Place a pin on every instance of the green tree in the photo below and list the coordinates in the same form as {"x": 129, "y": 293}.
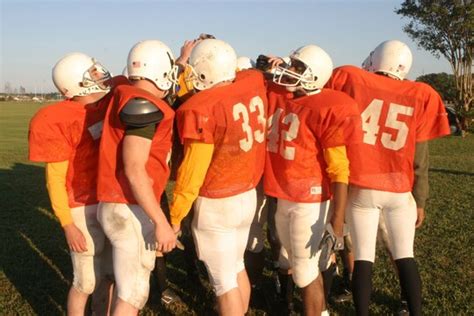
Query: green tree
{"x": 445, "y": 28}
{"x": 443, "y": 83}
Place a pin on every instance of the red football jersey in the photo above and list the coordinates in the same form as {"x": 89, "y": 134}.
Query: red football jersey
{"x": 395, "y": 116}
{"x": 113, "y": 185}
{"x": 299, "y": 129}
{"x": 71, "y": 131}
{"x": 233, "y": 118}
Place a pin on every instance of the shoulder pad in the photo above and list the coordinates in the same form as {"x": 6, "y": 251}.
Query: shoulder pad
{"x": 140, "y": 112}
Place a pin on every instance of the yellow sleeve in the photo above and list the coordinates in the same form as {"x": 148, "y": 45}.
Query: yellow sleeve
{"x": 185, "y": 86}
{"x": 338, "y": 164}
{"x": 56, "y": 183}
{"x": 191, "y": 175}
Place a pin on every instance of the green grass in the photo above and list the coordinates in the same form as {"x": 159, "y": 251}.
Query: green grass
{"x": 35, "y": 271}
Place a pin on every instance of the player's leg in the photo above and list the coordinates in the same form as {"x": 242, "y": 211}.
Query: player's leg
{"x": 102, "y": 298}
{"x": 347, "y": 255}
{"x": 382, "y": 236}
{"x": 282, "y": 235}
{"x": 214, "y": 230}
{"x": 131, "y": 234}
{"x": 85, "y": 271}
{"x": 307, "y": 226}
{"x": 362, "y": 215}
{"x": 400, "y": 221}
{"x": 254, "y": 252}
{"x": 248, "y": 208}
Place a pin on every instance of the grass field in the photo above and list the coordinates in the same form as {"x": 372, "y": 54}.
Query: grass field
{"x": 36, "y": 271}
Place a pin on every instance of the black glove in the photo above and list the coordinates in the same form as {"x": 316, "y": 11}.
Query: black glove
{"x": 262, "y": 63}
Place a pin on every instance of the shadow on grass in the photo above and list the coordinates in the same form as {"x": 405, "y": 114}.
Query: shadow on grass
{"x": 455, "y": 172}
{"x": 33, "y": 255}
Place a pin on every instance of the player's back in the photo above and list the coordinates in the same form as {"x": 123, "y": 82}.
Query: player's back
{"x": 396, "y": 114}
{"x": 233, "y": 118}
{"x": 113, "y": 185}
{"x": 299, "y": 131}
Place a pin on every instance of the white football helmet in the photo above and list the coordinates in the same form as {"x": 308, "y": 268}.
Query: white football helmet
{"x": 390, "y": 57}
{"x": 153, "y": 60}
{"x": 78, "y": 74}
{"x": 244, "y": 62}
{"x": 317, "y": 69}
{"x": 212, "y": 61}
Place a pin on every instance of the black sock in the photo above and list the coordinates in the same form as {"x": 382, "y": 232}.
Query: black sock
{"x": 160, "y": 273}
{"x": 410, "y": 283}
{"x": 254, "y": 263}
{"x": 362, "y": 286}
{"x": 328, "y": 277}
{"x": 287, "y": 287}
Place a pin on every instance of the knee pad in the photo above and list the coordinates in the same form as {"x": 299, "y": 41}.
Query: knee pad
{"x": 84, "y": 282}
{"x": 223, "y": 283}
{"x": 136, "y": 294}
{"x": 305, "y": 270}
{"x": 85, "y": 272}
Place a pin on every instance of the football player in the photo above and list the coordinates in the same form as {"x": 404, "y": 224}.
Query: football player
{"x": 399, "y": 117}
{"x": 133, "y": 171}
{"x": 306, "y": 165}
{"x": 222, "y": 127}
{"x": 66, "y": 136}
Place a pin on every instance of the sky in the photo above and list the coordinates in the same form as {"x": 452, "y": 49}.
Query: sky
{"x": 36, "y": 34}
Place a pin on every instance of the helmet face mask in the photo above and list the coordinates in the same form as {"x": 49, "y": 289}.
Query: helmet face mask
{"x": 77, "y": 74}
{"x": 295, "y": 74}
{"x": 309, "y": 69}
{"x": 96, "y": 75}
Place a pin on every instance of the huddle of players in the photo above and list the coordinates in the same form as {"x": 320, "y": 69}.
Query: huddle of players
{"x": 310, "y": 131}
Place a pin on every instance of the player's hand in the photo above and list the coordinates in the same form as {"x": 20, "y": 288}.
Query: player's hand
{"x": 75, "y": 238}
{"x": 165, "y": 238}
{"x": 186, "y": 50}
{"x": 420, "y": 217}
{"x": 275, "y": 61}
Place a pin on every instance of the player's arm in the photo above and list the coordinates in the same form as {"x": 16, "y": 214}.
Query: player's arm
{"x": 420, "y": 189}
{"x": 338, "y": 171}
{"x": 141, "y": 118}
{"x": 191, "y": 175}
{"x": 56, "y": 173}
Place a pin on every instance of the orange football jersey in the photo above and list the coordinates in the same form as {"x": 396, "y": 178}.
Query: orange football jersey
{"x": 68, "y": 130}
{"x": 71, "y": 131}
{"x": 113, "y": 185}
{"x": 395, "y": 116}
{"x": 233, "y": 118}
{"x": 299, "y": 129}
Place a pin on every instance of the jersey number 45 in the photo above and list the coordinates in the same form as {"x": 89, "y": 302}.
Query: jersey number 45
{"x": 371, "y": 119}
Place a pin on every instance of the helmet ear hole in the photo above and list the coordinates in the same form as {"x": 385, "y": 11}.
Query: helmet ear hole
{"x": 202, "y": 77}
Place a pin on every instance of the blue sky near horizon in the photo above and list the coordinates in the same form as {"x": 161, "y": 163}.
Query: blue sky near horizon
{"x": 35, "y": 34}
